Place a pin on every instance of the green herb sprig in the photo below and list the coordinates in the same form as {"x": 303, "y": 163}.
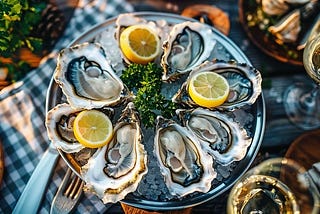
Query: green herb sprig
{"x": 17, "y": 21}
{"x": 145, "y": 82}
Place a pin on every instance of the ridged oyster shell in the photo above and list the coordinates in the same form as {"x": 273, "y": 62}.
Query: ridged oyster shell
{"x": 279, "y": 7}
{"x": 244, "y": 83}
{"x": 188, "y": 45}
{"x": 220, "y": 135}
{"x": 185, "y": 166}
{"x": 289, "y": 28}
{"x": 86, "y": 78}
{"x": 59, "y": 124}
{"x": 126, "y": 20}
{"x": 117, "y": 168}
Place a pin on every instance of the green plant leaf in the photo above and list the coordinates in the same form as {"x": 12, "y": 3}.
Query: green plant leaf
{"x": 17, "y": 19}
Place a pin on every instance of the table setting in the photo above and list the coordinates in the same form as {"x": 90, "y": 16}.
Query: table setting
{"x": 256, "y": 129}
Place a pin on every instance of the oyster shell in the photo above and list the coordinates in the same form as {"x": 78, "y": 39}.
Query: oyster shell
{"x": 185, "y": 166}
{"x": 280, "y": 7}
{"x": 187, "y": 46}
{"x": 117, "y": 168}
{"x": 289, "y": 28}
{"x": 59, "y": 123}
{"x": 126, "y": 20}
{"x": 244, "y": 83}
{"x": 274, "y": 7}
{"x": 86, "y": 78}
{"x": 220, "y": 135}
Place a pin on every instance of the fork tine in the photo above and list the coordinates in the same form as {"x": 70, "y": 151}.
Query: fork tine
{"x": 79, "y": 189}
{"x": 71, "y": 186}
{"x": 64, "y": 182}
{"x": 76, "y": 184}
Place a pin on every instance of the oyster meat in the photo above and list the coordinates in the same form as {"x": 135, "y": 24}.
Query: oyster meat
{"x": 220, "y": 135}
{"x": 244, "y": 83}
{"x": 117, "y": 168}
{"x": 186, "y": 168}
{"x": 86, "y": 78}
{"x": 187, "y": 46}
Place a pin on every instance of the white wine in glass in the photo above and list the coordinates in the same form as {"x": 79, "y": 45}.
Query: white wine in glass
{"x": 302, "y": 101}
{"x": 275, "y": 186}
{"x": 311, "y": 59}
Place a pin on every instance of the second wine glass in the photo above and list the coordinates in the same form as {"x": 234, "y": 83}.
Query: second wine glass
{"x": 301, "y": 100}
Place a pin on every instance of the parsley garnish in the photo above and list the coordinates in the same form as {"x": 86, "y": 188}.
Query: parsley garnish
{"x": 145, "y": 82}
{"x": 17, "y": 20}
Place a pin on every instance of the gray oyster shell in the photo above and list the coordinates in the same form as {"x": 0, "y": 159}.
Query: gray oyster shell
{"x": 289, "y": 27}
{"x": 244, "y": 83}
{"x": 59, "y": 124}
{"x": 279, "y": 7}
{"x": 220, "y": 135}
{"x": 186, "y": 168}
{"x": 117, "y": 168}
{"x": 87, "y": 79}
{"x": 127, "y": 19}
{"x": 188, "y": 45}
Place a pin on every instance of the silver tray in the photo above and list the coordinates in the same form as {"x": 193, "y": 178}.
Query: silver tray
{"x": 224, "y": 50}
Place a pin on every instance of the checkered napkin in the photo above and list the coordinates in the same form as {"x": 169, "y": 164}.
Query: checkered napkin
{"x": 22, "y": 115}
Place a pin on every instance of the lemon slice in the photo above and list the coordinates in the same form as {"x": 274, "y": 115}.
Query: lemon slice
{"x": 208, "y": 89}
{"x": 92, "y": 128}
{"x": 140, "y": 44}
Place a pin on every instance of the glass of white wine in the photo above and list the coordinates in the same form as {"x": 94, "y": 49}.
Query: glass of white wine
{"x": 276, "y": 186}
{"x": 302, "y": 101}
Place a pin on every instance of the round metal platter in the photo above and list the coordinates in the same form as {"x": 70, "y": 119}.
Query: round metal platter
{"x": 225, "y": 49}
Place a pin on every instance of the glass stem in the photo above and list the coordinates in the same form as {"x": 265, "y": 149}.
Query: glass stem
{"x": 308, "y": 100}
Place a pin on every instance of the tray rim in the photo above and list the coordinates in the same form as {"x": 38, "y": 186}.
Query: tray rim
{"x": 259, "y": 106}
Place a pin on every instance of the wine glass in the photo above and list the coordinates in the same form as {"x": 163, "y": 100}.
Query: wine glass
{"x": 302, "y": 101}
{"x": 277, "y": 185}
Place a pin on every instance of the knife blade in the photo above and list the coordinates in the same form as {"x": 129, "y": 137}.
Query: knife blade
{"x": 32, "y": 194}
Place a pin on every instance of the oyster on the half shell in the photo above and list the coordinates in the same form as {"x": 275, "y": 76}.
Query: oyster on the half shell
{"x": 187, "y": 46}
{"x": 87, "y": 79}
{"x": 289, "y": 28}
{"x": 280, "y": 7}
{"x": 244, "y": 83}
{"x": 126, "y": 20}
{"x": 59, "y": 123}
{"x": 186, "y": 168}
{"x": 117, "y": 168}
{"x": 220, "y": 135}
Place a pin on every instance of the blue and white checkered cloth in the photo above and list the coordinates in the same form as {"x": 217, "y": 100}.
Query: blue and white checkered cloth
{"x": 22, "y": 115}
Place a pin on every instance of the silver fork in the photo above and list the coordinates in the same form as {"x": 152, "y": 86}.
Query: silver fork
{"x": 68, "y": 194}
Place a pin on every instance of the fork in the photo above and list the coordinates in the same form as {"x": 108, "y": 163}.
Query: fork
{"x": 68, "y": 194}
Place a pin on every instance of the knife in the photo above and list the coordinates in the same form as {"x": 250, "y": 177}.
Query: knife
{"x": 32, "y": 194}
